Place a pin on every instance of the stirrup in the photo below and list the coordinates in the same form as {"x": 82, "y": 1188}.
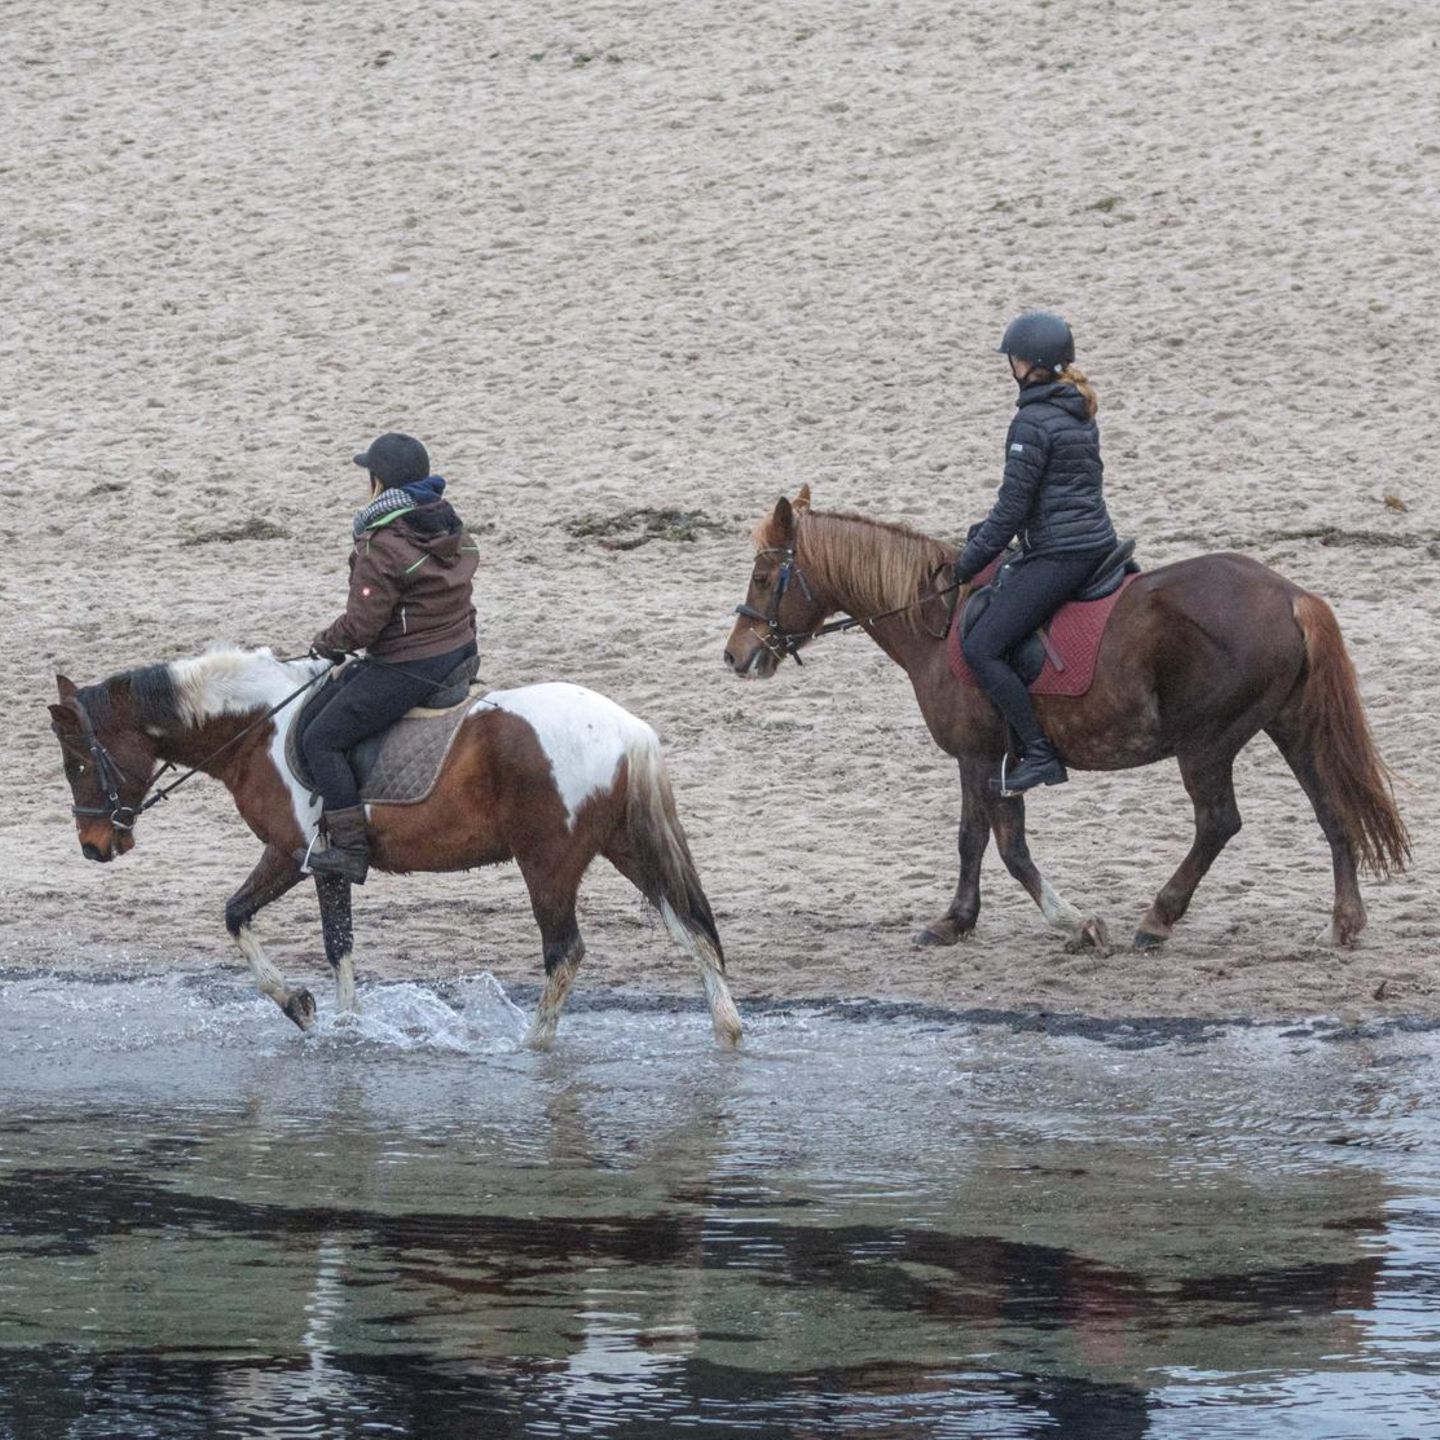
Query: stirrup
{"x": 1001, "y": 785}
{"x": 1004, "y": 785}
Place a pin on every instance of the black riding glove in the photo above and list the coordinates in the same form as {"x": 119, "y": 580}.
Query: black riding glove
{"x": 321, "y": 650}
{"x": 962, "y": 575}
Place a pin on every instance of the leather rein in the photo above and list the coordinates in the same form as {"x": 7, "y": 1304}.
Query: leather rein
{"x": 780, "y": 642}
{"x": 112, "y": 777}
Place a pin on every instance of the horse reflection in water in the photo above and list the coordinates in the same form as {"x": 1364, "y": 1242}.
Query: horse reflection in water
{"x": 1200, "y": 657}
{"x": 549, "y": 776}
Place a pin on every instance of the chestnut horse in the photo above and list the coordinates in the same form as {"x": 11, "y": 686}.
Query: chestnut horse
{"x": 1198, "y": 658}
{"x": 548, "y": 775}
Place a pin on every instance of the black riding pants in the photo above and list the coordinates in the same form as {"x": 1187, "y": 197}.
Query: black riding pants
{"x": 370, "y": 695}
{"x": 1029, "y": 594}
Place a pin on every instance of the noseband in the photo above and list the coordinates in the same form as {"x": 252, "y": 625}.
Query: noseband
{"x": 778, "y": 642}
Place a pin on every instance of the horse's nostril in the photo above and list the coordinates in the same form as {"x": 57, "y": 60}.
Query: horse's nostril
{"x": 729, "y": 659}
{"x": 89, "y": 851}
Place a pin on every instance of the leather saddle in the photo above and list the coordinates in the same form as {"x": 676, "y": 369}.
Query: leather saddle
{"x": 1028, "y": 658}
{"x": 399, "y": 765}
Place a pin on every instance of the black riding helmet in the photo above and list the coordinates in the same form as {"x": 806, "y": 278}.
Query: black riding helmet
{"x": 396, "y": 460}
{"x": 1041, "y": 338}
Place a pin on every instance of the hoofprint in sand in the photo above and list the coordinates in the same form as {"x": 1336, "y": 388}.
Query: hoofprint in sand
{"x": 688, "y": 261}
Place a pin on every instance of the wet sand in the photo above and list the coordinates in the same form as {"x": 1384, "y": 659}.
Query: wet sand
{"x": 679, "y": 257}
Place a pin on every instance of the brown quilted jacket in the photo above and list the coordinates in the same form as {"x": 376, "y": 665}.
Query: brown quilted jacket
{"x": 410, "y": 587}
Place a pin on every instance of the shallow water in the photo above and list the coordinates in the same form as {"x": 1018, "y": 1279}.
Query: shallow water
{"x": 407, "y": 1225}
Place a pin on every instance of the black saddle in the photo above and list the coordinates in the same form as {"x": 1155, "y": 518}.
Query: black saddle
{"x": 453, "y": 690}
{"x": 1027, "y": 659}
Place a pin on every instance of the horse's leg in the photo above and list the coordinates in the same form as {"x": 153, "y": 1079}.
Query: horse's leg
{"x": 1209, "y": 781}
{"x": 1348, "y": 916}
{"x": 724, "y": 1018}
{"x": 276, "y": 873}
{"x": 959, "y": 920}
{"x": 1007, "y": 820}
{"x": 564, "y": 949}
{"x": 339, "y": 933}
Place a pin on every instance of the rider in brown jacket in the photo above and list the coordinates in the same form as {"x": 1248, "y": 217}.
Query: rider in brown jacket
{"x": 410, "y": 610}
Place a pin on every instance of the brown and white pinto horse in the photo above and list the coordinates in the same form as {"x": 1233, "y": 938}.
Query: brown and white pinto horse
{"x": 547, "y": 775}
{"x": 1198, "y": 658}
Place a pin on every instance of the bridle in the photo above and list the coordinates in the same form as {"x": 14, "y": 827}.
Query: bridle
{"x": 780, "y": 642}
{"x": 112, "y": 777}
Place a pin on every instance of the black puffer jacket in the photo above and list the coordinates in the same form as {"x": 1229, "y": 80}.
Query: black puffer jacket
{"x": 1052, "y": 495}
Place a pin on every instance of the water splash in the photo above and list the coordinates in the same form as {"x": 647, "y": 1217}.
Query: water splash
{"x": 483, "y": 1020}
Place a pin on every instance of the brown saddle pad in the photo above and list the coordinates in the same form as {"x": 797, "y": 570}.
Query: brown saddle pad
{"x": 400, "y": 765}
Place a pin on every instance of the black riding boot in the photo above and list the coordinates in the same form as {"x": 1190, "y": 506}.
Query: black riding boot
{"x": 348, "y": 853}
{"x": 1040, "y": 766}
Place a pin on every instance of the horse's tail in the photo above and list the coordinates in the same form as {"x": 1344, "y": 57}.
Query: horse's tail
{"x": 664, "y": 871}
{"x": 1355, "y": 779}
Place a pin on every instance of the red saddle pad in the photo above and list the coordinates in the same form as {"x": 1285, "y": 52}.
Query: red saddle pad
{"x": 1074, "y": 636}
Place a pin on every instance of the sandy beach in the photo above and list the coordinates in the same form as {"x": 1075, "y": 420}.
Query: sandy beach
{"x": 690, "y": 257}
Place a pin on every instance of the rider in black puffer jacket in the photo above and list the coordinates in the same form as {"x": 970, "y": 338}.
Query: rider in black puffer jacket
{"x": 1052, "y": 497}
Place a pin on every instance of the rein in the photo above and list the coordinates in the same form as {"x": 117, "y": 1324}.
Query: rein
{"x": 111, "y": 776}
{"x": 788, "y": 642}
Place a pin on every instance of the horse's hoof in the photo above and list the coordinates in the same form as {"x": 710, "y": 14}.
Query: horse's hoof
{"x": 540, "y": 1040}
{"x": 1144, "y": 940}
{"x": 940, "y": 932}
{"x": 1093, "y": 935}
{"x": 300, "y": 1007}
{"x": 728, "y": 1038}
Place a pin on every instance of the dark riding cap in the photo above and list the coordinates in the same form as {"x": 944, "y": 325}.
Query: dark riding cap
{"x": 1041, "y": 338}
{"x": 396, "y": 460}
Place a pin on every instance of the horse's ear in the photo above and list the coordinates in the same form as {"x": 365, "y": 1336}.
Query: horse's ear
{"x": 782, "y": 522}
{"x": 64, "y": 717}
{"x": 66, "y": 687}
{"x": 802, "y": 500}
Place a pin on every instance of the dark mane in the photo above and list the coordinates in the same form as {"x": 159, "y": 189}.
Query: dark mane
{"x": 150, "y": 690}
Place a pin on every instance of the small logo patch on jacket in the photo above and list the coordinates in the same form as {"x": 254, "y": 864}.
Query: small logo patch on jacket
{"x": 1017, "y": 448}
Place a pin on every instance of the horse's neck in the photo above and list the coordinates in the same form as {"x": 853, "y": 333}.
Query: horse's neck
{"x": 214, "y": 745}
{"x": 840, "y": 589}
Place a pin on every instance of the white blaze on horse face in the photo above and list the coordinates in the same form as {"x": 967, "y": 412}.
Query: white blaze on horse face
{"x": 584, "y": 735}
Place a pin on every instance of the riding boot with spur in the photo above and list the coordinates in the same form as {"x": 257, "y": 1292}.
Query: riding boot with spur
{"x": 1041, "y": 766}
{"x": 348, "y": 853}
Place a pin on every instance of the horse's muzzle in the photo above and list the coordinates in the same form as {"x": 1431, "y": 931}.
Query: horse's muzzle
{"x": 758, "y": 665}
{"x": 104, "y": 848}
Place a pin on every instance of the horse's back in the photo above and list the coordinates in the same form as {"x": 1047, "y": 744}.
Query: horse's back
{"x": 584, "y": 735}
{"x": 1225, "y": 594}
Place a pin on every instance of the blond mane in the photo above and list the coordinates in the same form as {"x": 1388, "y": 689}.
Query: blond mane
{"x": 875, "y": 565}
